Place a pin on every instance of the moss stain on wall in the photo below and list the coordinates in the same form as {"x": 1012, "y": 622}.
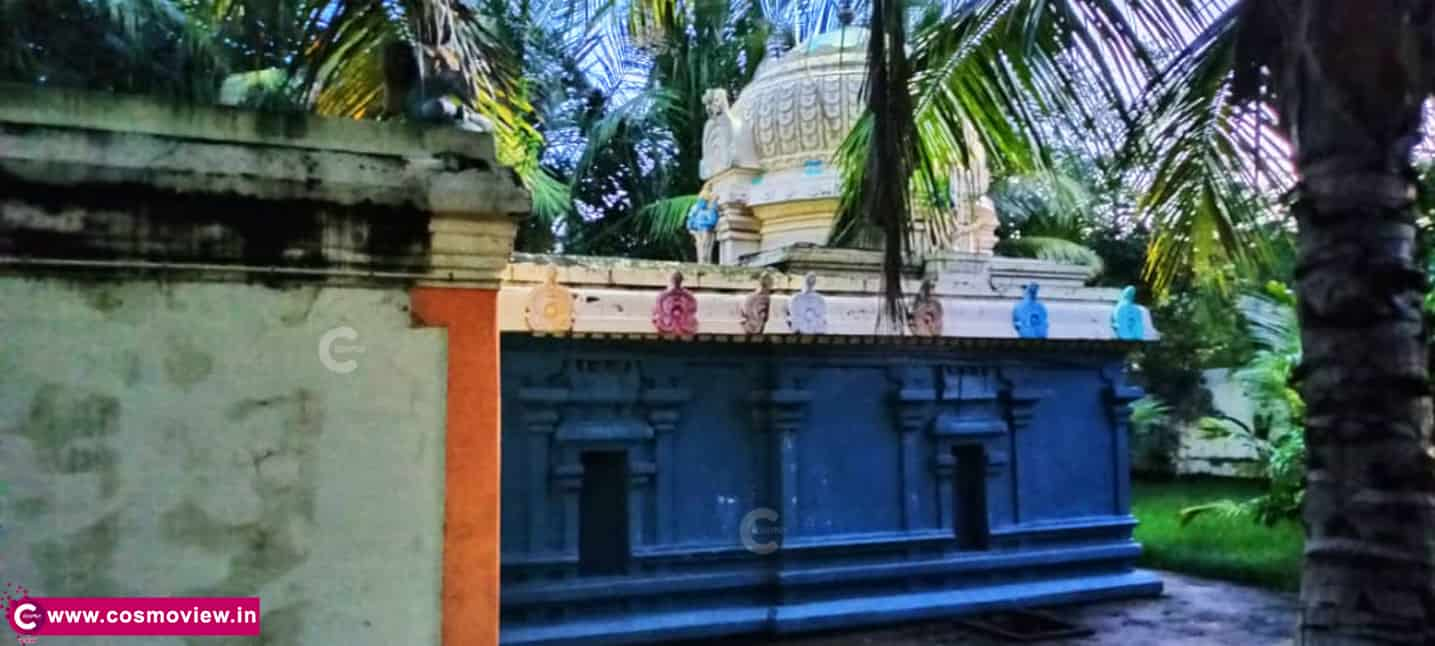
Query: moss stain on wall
{"x": 184, "y": 364}
{"x": 68, "y": 427}
{"x": 80, "y": 563}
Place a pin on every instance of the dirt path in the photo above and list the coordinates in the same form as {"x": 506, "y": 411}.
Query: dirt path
{"x": 1191, "y": 612}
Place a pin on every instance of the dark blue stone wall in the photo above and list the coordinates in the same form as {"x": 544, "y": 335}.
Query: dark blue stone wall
{"x": 842, "y": 458}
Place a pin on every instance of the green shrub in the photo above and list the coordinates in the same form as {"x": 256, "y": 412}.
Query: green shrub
{"x": 1276, "y": 433}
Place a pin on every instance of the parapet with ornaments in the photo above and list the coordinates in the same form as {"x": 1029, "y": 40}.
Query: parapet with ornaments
{"x": 957, "y": 298}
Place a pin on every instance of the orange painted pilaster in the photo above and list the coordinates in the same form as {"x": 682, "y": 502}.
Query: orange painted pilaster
{"x": 471, "y": 456}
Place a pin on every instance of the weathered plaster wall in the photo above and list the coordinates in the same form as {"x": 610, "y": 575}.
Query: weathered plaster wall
{"x": 1185, "y": 449}
{"x": 186, "y": 439}
{"x": 1227, "y": 456}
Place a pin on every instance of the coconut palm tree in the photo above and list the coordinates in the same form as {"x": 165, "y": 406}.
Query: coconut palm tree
{"x": 1342, "y": 85}
{"x": 146, "y": 46}
{"x": 1349, "y": 83}
{"x": 1006, "y": 81}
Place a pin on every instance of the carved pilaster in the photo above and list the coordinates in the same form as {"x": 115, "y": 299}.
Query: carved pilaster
{"x": 737, "y": 233}
{"x": 1118, "y": 395}
{"x": 540, "y": 422}
{"x": 568, "y": 486}
{"x": 783, "y": 411}
{"x": 642, "y": 505}
{"x": 915, "y": 402}
{"x": 1020, "y": 400}
{"x": 663, "y": 406}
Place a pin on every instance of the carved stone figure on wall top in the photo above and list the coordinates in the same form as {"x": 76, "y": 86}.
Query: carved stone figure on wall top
{"x": 757, "y": 306}
{"x": 807, "y": 311}
{"x": 550, "y": 305}
{"x": 1126, "y": 319}
{"x": 676, "y": 312}
{"x": 925, "y": 318}
{"x": 1029, "y": 315}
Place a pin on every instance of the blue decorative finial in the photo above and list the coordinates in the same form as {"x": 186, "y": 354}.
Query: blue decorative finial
{"x": 703, "y": 216}
{"x": 1029, "y": 316}
{"x": 1126, "y": 319}
{"x": 702, "y": 219}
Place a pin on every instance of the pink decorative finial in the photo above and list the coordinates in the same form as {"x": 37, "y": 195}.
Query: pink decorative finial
{"x": 676, "y": 312}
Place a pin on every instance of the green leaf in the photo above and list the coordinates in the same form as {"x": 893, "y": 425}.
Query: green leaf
{"x": 989, "y": 79}
{"x": 1056, "y": 250}
{"x": 1225, "y": 509}
{"x": 1200, "y": 156}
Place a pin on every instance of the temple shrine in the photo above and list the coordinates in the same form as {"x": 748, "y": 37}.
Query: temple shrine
{"x": 743, "y": 446}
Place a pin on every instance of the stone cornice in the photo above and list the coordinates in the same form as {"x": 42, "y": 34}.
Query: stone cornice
{"x": 71, "y": 138}
{"x": 92, "y": 177}
{"x": 83, "y": 110}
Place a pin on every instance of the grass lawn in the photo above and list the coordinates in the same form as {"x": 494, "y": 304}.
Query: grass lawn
{"x": 1231, "y": 549}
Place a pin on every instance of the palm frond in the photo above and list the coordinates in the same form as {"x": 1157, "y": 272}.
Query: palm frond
{"x": 1224, "y": 509}
{"x": 341, "y": 64}
{"x": 552, "y": 198}
{"x": 155, "y": 47}
{"x": 666, "y": 218}
{"x": 1272, "y": 323}
{"x": 655, "y": 107}
{"x": 989, "y": 76}
{"x": 804, "y": 19}
{"x": 1047, "y": 204}
{"x": 1271, "y": 319}
{"x": 1208, "y": 159}
{"x": 1056, "y": 250}
{"x": 1149, "y": 413}
{"x": 851, "y": 156}
{"x": 648, "y": 135}
{"x": 340, "y": 71}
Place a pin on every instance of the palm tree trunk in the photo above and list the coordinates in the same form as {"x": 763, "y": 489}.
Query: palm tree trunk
{"x": 886, "y": 200}
{"x": 1352, "y": 89}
